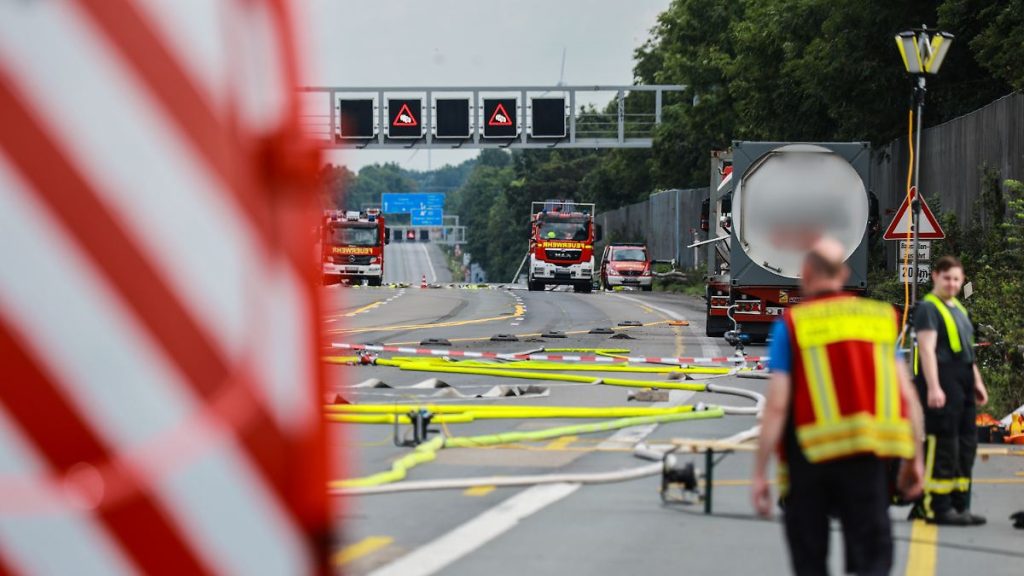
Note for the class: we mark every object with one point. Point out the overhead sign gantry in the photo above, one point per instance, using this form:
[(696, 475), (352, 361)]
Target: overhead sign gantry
[(485, 117)]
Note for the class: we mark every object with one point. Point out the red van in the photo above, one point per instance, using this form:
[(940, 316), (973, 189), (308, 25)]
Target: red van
[(626, 264)]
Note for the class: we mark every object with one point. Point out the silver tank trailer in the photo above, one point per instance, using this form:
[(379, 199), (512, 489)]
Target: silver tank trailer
[(786, 195)]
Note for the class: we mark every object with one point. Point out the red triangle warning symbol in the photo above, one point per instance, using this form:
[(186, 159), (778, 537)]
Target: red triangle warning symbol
[(404, 117), (500, 116), (903, 222)]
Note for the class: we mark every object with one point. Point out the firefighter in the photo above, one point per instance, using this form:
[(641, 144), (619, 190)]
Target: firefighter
[(950, 386), (839, 407)]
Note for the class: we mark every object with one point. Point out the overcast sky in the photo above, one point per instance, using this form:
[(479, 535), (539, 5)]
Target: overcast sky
[(470, 43)]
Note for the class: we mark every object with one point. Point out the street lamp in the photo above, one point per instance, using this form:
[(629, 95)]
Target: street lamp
[(923, 53)]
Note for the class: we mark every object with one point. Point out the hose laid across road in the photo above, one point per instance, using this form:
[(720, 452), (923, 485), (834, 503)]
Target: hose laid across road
[(463, 414), (428, 450), (523, 374)]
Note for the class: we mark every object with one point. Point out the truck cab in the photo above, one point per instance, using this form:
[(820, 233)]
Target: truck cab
[(562, 236)]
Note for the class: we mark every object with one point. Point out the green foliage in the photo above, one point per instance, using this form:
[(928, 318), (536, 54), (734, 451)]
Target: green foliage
[(341, 189), (374, 180), (993, 31)]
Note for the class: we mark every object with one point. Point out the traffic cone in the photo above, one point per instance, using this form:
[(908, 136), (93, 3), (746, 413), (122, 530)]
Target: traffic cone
[(423, 282)]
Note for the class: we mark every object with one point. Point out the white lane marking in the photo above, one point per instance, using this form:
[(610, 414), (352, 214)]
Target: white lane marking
[(426, 254), (435, 556), (707, 348)]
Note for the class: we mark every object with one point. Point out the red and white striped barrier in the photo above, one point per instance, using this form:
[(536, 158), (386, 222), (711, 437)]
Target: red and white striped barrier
[(159, 387), (552, 357)]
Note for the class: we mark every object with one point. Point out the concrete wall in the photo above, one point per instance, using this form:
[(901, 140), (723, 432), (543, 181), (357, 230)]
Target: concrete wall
[(666, 221)]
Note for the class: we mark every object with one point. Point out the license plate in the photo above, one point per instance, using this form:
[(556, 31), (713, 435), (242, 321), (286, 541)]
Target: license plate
[(630, 281)]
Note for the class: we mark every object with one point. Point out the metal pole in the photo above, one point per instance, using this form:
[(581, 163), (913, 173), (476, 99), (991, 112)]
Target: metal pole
[(709, 478), (919, 92)]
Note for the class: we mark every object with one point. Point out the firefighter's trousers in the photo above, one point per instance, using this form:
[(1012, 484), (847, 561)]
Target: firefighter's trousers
[(950, 447)]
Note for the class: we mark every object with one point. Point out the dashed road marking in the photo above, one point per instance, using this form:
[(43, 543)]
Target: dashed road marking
[(478, 491), (364, 547)]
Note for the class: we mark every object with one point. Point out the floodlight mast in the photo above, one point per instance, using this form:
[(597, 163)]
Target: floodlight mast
[(923, 54)]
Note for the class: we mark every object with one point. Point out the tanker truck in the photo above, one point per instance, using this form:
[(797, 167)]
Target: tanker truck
[(769, 201)]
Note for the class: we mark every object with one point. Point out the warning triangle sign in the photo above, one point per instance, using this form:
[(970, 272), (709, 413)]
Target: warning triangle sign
[(404, 117), (903, 222), (500, 116)]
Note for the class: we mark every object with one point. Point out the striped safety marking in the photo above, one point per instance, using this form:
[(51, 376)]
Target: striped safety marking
[(158, 328)]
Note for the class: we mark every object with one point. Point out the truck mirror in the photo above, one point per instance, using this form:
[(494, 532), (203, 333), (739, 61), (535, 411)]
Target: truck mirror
[(705, 215), (387, 236), (598, 233)]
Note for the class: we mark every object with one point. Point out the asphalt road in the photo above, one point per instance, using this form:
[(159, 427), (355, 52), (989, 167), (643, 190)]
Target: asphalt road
[(411, 262), (616, 528)]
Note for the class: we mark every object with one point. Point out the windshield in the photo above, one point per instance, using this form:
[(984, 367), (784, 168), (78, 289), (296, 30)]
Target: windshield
[(354, 236), (629, 255), (563, 230)]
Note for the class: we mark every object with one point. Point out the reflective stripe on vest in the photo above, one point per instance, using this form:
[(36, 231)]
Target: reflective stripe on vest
[(947, 319), (880, 428)]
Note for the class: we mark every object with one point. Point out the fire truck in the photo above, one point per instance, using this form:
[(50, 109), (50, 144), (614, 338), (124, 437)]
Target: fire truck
[(769, 202), (562, 237), (352, 246)]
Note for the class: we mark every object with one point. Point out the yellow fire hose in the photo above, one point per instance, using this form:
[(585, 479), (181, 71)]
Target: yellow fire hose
[(456, 414), (428, 450)]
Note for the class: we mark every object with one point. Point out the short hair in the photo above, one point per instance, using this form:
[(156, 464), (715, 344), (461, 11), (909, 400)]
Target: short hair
[(947, 262), (823, 266)]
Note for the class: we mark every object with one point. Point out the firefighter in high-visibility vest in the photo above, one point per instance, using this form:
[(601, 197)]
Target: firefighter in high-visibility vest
[(950, 387), (840, 407)]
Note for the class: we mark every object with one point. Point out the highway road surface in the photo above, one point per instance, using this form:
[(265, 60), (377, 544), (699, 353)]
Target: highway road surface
[(615, 528)]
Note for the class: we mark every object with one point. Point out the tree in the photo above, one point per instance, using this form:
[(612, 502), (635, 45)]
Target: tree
[(376, 179), (333, 181)]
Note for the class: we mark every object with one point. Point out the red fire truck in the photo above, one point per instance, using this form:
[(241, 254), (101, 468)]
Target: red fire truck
[(352, 246), (562, 236)]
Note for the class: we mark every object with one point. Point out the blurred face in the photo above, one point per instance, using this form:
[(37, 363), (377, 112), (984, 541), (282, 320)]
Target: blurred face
[(947, 284)]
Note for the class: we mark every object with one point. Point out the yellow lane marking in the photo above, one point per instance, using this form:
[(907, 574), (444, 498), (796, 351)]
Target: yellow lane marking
[(526, 335), (478, 491), (360, 310), (560, 443), (1018, 474), (370, 306), (921, 558), (519, 310), (364, 547)]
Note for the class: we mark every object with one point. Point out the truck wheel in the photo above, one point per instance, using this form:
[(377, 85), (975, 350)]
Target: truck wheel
[(534, 286), (375, 281), (647, 288), (582, 288)]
